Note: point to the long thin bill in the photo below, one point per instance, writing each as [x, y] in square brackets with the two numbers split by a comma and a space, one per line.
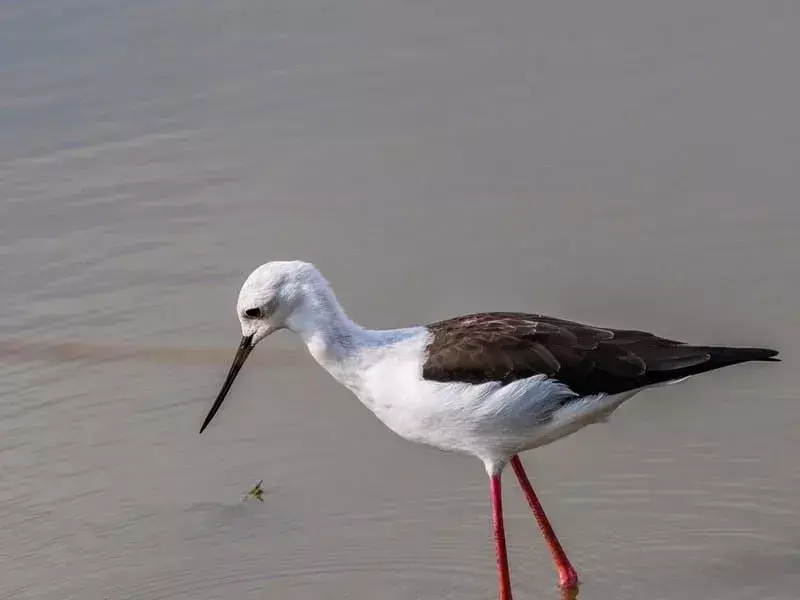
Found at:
[241, 355]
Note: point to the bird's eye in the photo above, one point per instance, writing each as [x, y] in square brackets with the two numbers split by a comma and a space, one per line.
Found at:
[253, 313]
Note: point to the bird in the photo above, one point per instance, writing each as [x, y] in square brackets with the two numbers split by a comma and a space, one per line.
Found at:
[490, 385]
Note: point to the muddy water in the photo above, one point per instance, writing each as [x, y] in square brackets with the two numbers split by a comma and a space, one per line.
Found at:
[630, 164]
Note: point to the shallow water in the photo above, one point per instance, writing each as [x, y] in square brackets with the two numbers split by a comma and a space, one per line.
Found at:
[623, 163]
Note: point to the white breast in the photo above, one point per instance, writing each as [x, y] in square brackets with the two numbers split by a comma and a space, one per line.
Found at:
[492, 421]
[486, 420]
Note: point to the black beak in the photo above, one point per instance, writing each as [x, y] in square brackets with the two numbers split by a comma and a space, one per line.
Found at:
[241, 355]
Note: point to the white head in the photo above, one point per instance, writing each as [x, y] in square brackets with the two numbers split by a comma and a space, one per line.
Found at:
[277, 295]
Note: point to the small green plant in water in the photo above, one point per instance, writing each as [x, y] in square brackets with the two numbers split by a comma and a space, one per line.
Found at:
[257, 492]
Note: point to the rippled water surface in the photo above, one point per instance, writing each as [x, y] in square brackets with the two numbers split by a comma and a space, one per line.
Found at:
[630, 164]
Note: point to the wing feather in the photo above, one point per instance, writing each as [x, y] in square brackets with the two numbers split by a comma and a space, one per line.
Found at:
[509, 346]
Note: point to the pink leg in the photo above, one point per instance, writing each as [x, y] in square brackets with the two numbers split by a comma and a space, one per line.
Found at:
[568, 577]
[500, 538]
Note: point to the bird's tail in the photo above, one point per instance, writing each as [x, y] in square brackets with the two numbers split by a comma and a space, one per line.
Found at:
[724, 356]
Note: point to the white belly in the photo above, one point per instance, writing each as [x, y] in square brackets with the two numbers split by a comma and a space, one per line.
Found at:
[490, 420]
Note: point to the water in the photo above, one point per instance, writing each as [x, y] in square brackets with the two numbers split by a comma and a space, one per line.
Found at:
[623, 163]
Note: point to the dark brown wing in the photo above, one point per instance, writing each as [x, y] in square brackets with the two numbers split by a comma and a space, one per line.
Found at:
[505, 347]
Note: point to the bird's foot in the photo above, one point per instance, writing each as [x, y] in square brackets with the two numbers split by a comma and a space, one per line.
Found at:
[569, 593]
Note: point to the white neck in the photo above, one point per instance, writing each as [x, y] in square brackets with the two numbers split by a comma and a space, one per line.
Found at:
[323, 325]
[332, 338]
[335, 341]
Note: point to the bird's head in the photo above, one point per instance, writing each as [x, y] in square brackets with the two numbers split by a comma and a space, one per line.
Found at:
[273, 297]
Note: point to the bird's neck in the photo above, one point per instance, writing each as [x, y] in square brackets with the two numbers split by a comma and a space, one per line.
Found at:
[332, 337]
[339, 344]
